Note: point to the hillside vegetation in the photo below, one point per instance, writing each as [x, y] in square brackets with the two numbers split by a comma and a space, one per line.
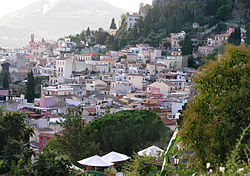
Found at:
[170, 16]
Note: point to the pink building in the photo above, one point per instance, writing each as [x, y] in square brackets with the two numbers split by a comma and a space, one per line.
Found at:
[35, 45]
[47, 102]
[152, 90]
[44, 138]
[224, 37]
[4, 92]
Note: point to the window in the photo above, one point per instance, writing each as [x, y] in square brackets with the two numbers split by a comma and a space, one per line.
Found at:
[44, 141]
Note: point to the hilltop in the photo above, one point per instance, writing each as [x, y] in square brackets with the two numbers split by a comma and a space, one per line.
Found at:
[165, 17]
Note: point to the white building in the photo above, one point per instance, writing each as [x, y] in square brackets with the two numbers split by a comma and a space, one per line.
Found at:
[132, 20]
[164, 87]
[64, 68]
[120, 88]
[174, 62]
[137, 81]
[95, 85]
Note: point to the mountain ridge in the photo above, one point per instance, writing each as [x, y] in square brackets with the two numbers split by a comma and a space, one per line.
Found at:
[52, 19]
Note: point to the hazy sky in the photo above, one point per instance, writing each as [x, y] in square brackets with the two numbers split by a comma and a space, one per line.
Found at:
[7, 6]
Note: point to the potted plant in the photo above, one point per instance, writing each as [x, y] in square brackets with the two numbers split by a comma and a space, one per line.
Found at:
[110, 171]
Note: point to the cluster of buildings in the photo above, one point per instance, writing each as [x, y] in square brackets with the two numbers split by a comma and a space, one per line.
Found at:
[137, 77]
[202, 45]
[99, 80]
[205, 46]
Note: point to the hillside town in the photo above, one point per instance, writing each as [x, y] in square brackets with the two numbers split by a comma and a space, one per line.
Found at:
[101, 80]
[47, 78]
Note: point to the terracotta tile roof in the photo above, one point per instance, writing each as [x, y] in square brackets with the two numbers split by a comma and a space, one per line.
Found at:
[89, 54]
[169, 83]
[230, 31]
[167, 121]
[90, 109]
[134, 15]
[107, 88]
[120, 96]
[161, 65]
[49, 114]
[61, 58]
[27, 111]
[108, 60]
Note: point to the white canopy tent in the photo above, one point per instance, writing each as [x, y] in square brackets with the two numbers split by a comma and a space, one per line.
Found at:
[75, 167]
[152, 151]
[115, 157]
[96, 161]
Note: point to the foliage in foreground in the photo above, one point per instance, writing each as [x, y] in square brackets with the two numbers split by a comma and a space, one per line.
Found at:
[136, 166]
[47, 163]
[124, 132]
[14, 139]
[214, 119]
[74, 142]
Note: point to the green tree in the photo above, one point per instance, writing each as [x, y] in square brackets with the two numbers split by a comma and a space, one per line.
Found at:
[152, 39]
[136, 166]
[215, 117]
[14, 135]
[74, 142]
[5, 66]
[46, 163]
[5, 79]
[181, 118]
[235, 37]
[113, 25]
[30, 88]
[144, 9]
[172, 17]
[127, 131]
[224, 12]
[187, 47]
[83, 36]
[20, 89]
[211, 56]
[38, 83]
[101, 36]
[88, 32]
[248, 34]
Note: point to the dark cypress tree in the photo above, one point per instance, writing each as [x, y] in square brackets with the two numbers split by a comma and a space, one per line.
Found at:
[235, 37]
[187, 47]
[113, 25]
[88, 33]
[248, 34]
[5, 79]
[30, 90]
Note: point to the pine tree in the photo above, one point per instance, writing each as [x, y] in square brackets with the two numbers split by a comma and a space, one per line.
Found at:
[235, 37]
[113, 25]
[30, 90]
[187, 47]
[5, 80]
[248, 34]
[88, 33]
